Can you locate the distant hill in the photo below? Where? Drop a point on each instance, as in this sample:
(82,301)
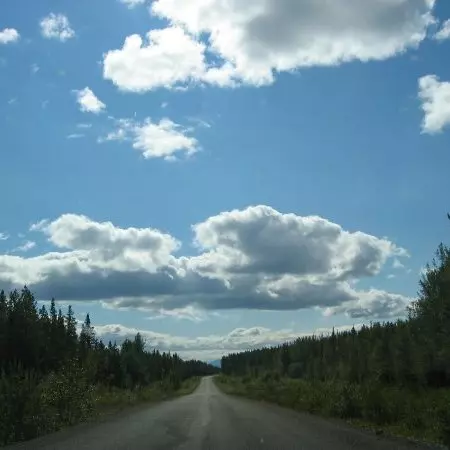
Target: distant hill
(216,363)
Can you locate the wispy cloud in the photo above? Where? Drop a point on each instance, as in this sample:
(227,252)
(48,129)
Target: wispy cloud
(132,3)
(397,264)
(199,122)
(444,32)
(188,313)
(28,245)
(38,226)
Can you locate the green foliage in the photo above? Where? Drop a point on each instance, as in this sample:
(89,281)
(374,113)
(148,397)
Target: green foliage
(51,377)
(296,370)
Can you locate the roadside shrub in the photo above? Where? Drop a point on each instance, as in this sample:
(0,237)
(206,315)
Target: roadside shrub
(30,407)
(16,395)
(60,399)
(344,400)
(296,370)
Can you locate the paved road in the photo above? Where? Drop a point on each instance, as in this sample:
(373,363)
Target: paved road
(209,419)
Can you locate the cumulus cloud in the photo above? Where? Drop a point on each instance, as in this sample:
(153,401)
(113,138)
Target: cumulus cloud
(256,258)
(374,303)
(88,101)
(263,240)
(166,58)
(164,139)
(229,42)
(110,246)
(3,236)
(9,35)
(444,32)
(56,26)
(132,3)
(435,97)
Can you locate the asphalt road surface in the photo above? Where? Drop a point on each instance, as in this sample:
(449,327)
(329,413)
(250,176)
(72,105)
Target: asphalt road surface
(209,419)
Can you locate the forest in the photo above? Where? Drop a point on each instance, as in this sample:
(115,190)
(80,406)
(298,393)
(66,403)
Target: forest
(53,375)
(394,376)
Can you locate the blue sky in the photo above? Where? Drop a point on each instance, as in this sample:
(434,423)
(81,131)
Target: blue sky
(308,145)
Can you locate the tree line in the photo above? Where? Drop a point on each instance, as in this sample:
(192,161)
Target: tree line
(50,374)
(412,352)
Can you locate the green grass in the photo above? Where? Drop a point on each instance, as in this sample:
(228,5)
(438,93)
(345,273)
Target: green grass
(419,415)
(113,400)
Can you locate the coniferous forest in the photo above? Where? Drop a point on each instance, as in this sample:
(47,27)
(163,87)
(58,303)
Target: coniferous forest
(52,376)
(393,375)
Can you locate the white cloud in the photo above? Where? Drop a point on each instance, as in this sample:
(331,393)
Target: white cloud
(444,32)
(374,303)
(262,240)
(168,57)
(84,125)
(435,97)
(56,26)
(199,122)
(132,3)
(75,136)
(39,226)
(396,264)
(163,139)
(229,42)
(189,312)
(34,68)
(256,258)
(28,245)
(3,236)
(9,35)
(89,102)
(110,246)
